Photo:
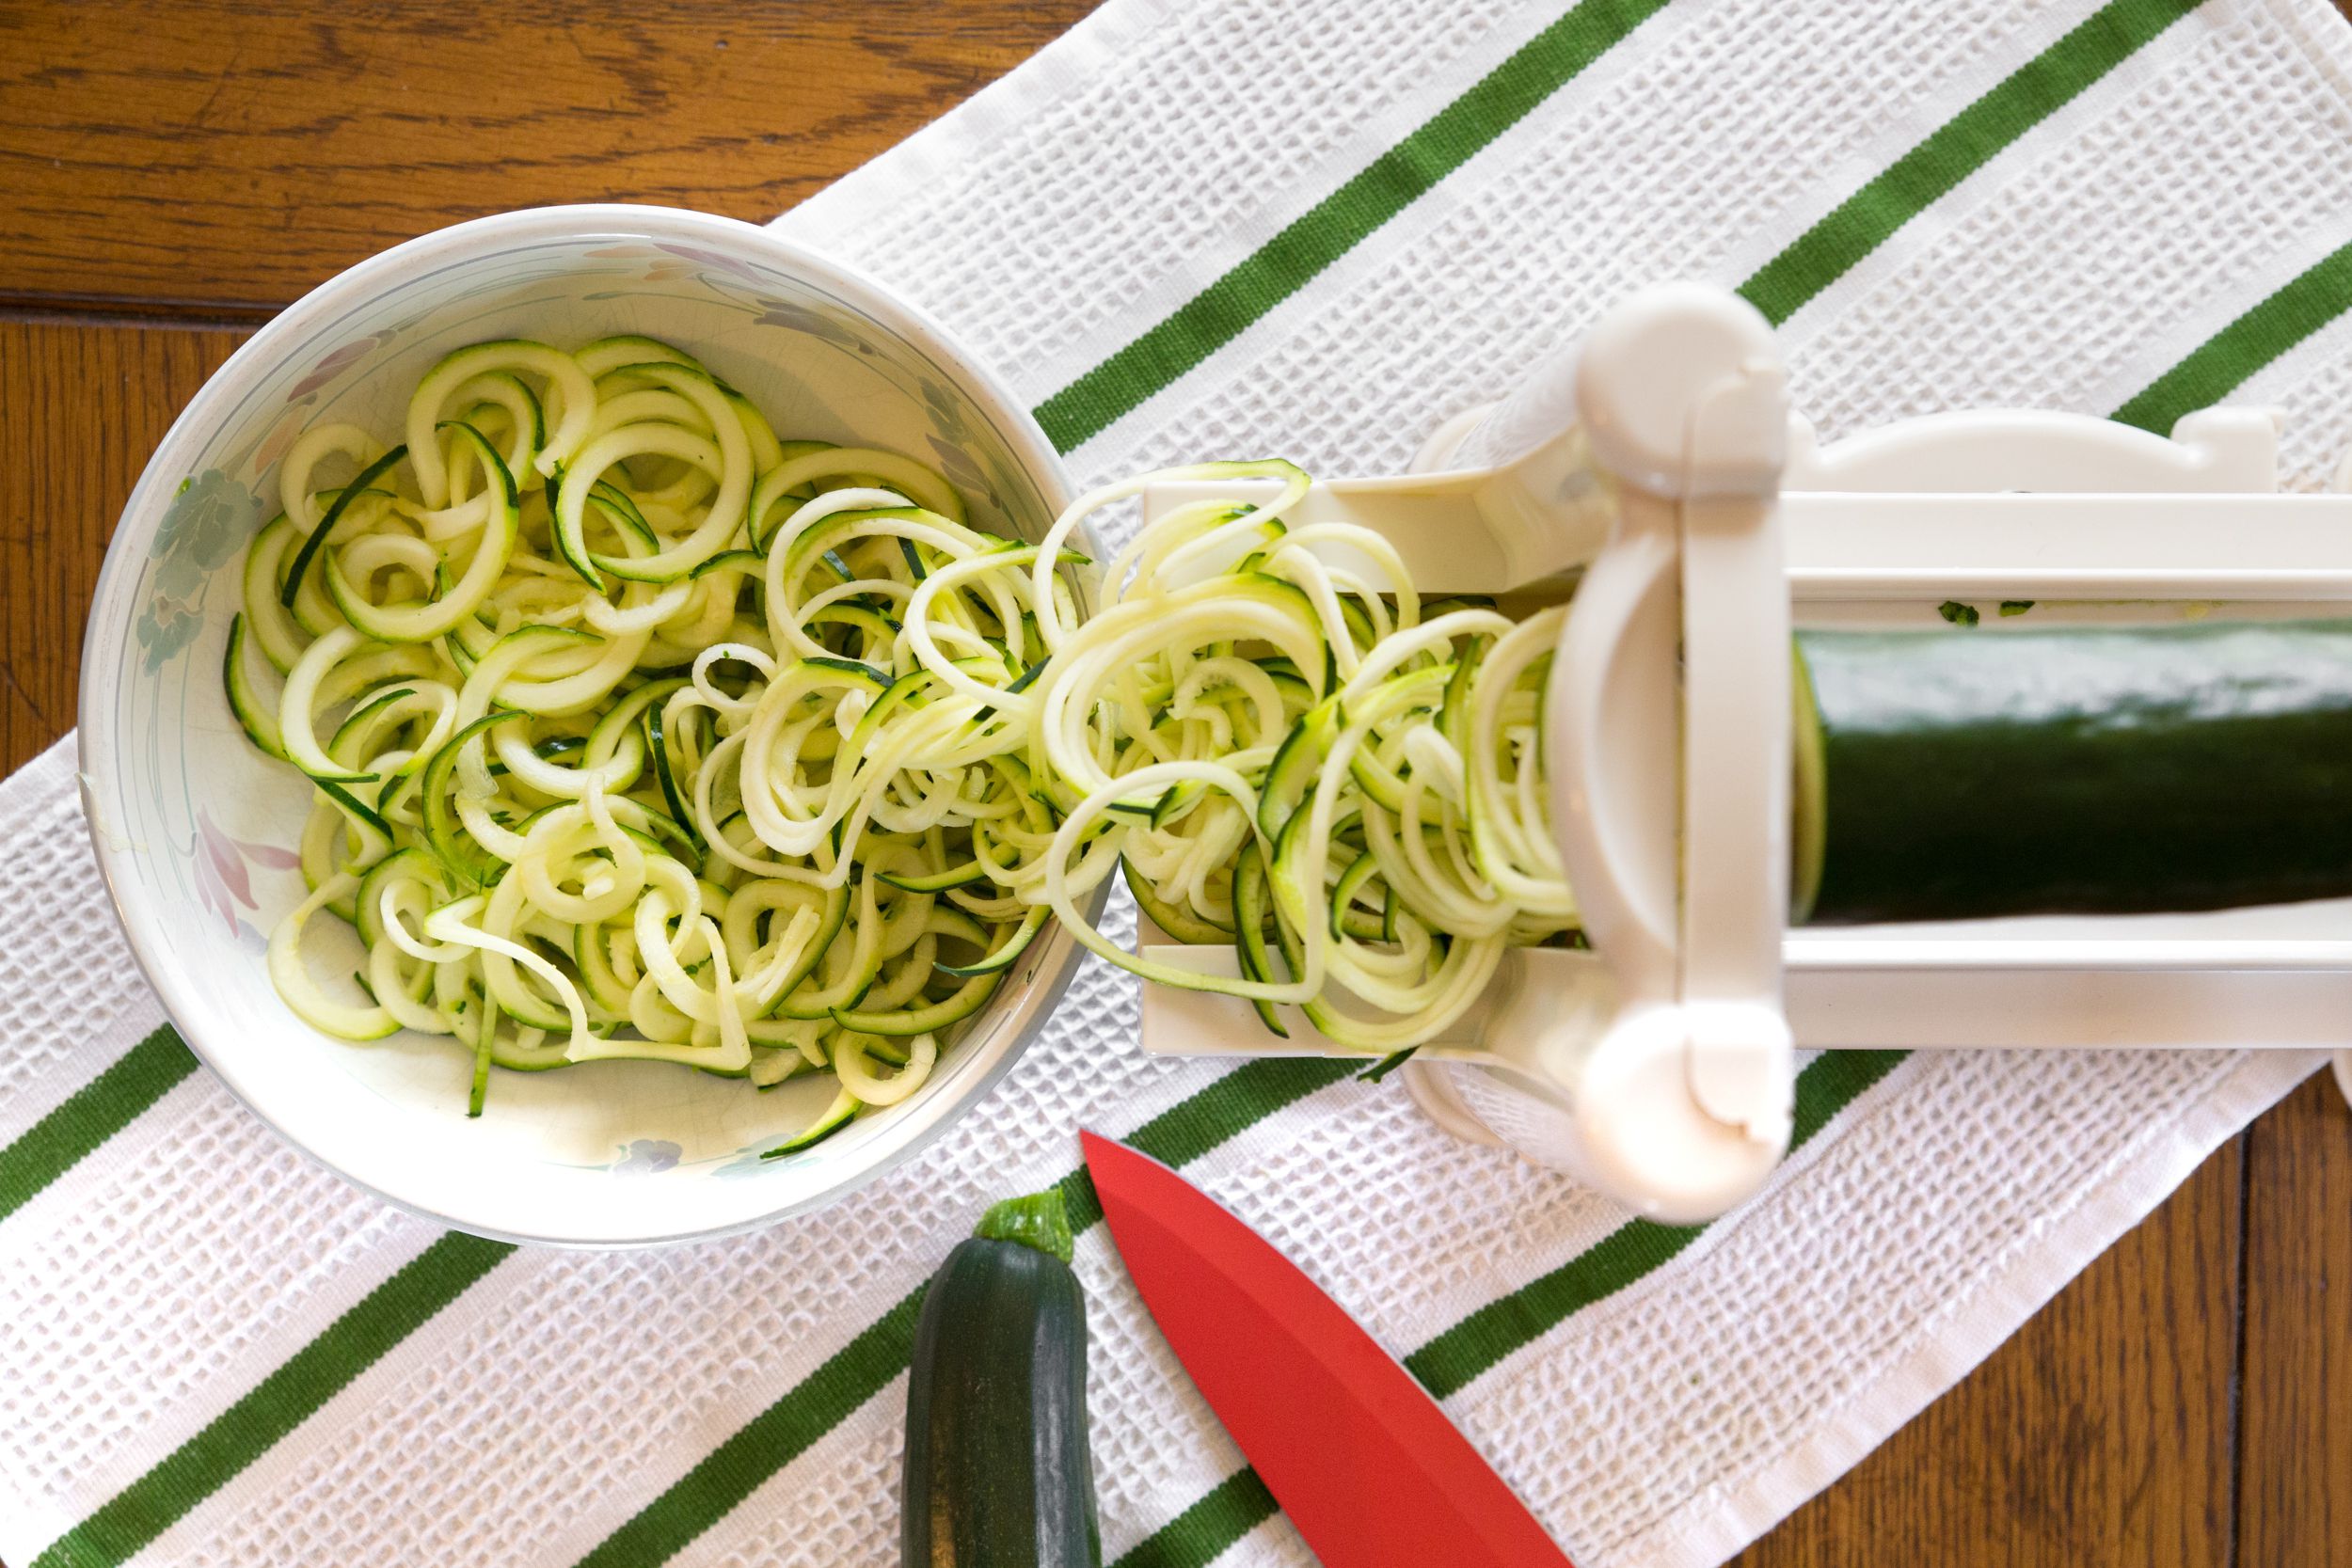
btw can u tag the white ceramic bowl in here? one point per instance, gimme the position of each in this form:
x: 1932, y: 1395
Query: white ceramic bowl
x: 194, y: 828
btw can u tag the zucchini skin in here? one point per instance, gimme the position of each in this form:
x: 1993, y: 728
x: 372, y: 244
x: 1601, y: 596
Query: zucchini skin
x: 997, y: 1471
x: 2081, y: 769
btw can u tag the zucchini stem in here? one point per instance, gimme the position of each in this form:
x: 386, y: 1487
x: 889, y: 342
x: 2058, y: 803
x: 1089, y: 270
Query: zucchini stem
x: 1039, y: 1222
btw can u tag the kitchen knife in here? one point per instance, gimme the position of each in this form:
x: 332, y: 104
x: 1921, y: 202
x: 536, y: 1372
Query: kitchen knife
x: 1357, y: 1452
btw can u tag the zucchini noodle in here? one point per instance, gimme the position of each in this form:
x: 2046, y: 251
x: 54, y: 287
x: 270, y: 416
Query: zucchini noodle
x: 1317, y: 767
x: 618, y: 748
x: 635, y: 732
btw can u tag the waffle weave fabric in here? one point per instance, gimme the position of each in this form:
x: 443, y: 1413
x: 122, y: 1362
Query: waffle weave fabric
x: 1237, y: 228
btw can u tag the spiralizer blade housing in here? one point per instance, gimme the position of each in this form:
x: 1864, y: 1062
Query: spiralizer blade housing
x: 1656, y: 474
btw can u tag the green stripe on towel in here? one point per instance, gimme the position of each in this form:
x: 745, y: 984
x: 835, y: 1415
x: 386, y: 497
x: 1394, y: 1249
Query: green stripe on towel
x: 1392, y: 183
x: 1450, y: 1362
x: 1964, y: 145
x: 2315, y: 297
x: 1334, y: 226
x: 278, y: 1403
x: 1204, y: 1532
x: 91, y: 1114
x: 804, y: 1413
x: 766, y: 1442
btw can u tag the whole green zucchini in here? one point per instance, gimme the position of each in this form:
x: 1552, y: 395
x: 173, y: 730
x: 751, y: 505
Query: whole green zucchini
x: 1954, y: 774
x: 997, y: 1471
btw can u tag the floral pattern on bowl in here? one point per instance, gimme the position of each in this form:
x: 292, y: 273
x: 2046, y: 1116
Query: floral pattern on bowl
x: 206, y: 526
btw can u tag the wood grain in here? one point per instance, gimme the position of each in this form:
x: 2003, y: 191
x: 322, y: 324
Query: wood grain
x: 206, y: 162
x: 2294, y: 1492
x: 2099, y: 1434
x: 228, y: 156
x: 80, y: 409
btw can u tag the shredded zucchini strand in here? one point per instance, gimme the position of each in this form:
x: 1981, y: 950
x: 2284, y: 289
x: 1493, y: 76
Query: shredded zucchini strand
x: 638, y: 733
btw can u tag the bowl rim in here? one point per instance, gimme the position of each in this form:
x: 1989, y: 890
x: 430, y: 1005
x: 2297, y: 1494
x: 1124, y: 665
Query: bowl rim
x: 102, y: 684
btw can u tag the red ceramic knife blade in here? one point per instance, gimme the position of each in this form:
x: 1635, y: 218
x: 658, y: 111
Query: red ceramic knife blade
x: 1355, y: 1452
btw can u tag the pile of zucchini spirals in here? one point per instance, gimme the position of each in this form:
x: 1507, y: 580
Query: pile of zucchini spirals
x: 636, y: 732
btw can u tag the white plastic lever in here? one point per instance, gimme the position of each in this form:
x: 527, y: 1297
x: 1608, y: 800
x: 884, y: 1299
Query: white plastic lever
x: 1508, y: 510
x: 1670, y: 795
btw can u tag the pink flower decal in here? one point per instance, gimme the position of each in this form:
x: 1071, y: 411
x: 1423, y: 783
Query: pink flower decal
x: 712, y: 258
x: 274, y: 445
x: 334, y: 364
x: 222, y: 881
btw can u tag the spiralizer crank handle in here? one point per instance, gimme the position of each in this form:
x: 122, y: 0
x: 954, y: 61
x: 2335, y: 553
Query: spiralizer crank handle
x: 1670, y: 795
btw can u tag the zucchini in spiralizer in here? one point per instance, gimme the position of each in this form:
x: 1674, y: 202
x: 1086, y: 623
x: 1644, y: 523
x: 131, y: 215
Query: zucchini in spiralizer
x: 1346, y: 785
x: 2099, y: 770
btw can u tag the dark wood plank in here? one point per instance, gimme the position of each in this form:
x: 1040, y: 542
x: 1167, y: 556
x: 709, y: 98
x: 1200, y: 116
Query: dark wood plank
x: 80, y: 409
x: 2294, y: 1495
x: 2099, y: 1434
x: 233, y: 155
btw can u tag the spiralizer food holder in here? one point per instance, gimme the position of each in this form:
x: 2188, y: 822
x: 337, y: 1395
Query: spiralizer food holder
x: 1659, y: 459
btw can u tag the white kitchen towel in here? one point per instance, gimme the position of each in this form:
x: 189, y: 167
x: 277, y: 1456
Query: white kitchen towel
x: 1310, y: 228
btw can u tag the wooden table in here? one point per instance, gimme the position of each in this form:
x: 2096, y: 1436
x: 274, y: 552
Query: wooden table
x: 169, y: 177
